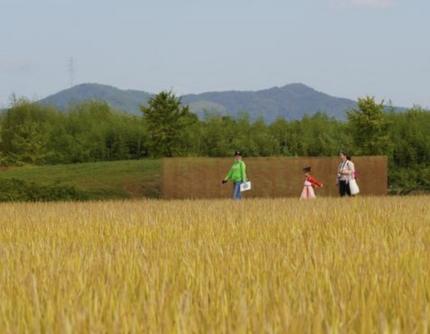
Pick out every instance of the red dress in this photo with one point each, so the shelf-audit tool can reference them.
(308, 189)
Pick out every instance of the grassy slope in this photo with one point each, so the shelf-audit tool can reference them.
(117, 179)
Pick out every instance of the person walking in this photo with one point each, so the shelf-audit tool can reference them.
(237, 175)
(310, 182)
(345, 173)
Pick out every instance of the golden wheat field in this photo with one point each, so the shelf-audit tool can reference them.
(258, 266)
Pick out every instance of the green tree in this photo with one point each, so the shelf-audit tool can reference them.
(217, 135)
(409, 169)
(323, 135)
(26, 130)
(410, 136)
(167, 122)
(369, 127)
(241, 136)
(264, 142)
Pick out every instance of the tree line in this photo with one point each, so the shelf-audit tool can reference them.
(31, 133)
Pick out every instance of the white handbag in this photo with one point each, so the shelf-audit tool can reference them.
(353, 187)
(245, 186)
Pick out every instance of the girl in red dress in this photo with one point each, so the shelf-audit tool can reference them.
(310, 182)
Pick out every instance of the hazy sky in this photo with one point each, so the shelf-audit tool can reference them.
(346, 48)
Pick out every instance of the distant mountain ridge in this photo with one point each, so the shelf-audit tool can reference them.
(291, 101)
(125, 100)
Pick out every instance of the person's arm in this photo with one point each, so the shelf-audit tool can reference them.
(228, 176)
(243, 172)
(315, 182)
(339, 172)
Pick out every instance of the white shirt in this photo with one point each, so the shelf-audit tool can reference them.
(346, 166)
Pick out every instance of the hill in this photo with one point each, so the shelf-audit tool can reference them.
(292, 101)
(125, 100)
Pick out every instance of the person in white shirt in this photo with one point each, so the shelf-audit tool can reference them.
(345, 173)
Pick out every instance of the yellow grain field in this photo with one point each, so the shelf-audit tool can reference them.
(259, 266)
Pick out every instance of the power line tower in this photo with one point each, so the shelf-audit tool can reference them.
(71, 66)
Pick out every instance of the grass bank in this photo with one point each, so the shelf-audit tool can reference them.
(99, 180)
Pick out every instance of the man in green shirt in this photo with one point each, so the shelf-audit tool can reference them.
(237, 175)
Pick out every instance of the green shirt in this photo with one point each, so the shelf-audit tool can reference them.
(237, 172)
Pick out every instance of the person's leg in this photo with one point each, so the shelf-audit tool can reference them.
(236, 191)
(342, 191)
(347, 189)
(239, 193)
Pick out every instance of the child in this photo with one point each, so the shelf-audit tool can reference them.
(310, 182)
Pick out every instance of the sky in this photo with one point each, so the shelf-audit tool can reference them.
(346, 48)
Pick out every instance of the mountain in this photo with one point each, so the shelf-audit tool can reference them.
(126, 100)
(292, 101)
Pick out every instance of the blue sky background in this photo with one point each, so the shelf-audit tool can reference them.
(347, 48)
